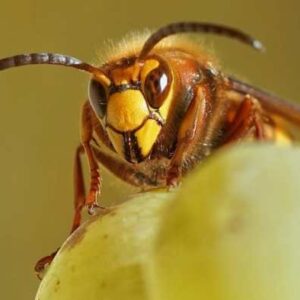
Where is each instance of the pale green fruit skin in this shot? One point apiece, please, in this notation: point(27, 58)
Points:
point(233, 233)
point(105, 258)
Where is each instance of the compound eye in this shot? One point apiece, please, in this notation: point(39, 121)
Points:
point(156, 86)
point(97, 97)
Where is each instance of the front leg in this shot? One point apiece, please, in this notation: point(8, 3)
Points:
point(79, 202)
point(80, 199)
point(191, 126)
point(87, 129)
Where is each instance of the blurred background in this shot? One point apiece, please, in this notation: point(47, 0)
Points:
point(40, 105)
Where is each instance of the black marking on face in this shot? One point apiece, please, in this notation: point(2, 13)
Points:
point(127, 146)
point(152, 116)
point(132, 150)
point(136, 149)
point(123, 87)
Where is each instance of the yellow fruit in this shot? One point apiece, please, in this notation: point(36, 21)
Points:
point(233, 233)
point(105, 258)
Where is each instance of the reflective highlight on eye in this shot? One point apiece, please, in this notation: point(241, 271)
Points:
point(163, 82)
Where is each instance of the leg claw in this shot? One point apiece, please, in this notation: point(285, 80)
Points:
point(92, 204)
point(92, 208)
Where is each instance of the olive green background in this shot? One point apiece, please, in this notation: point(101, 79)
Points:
point(39, 105)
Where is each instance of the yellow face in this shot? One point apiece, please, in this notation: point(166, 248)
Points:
point(132, 101)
